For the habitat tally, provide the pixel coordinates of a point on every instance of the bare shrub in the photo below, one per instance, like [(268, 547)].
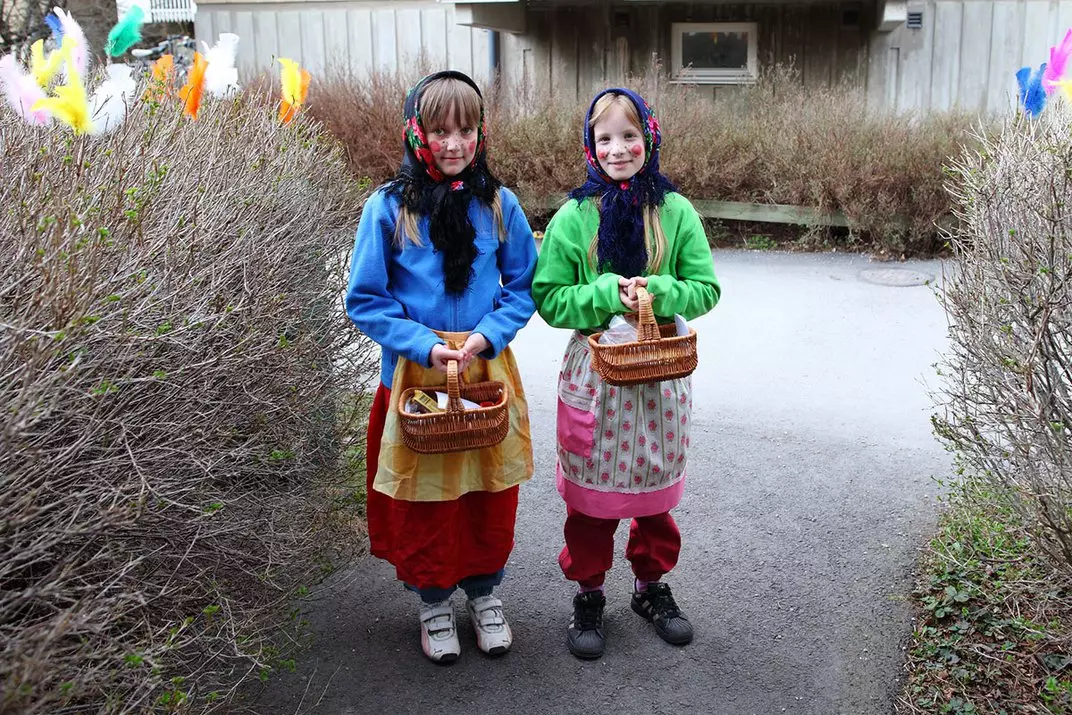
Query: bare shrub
[(775, 142), (173, 361), (1006, 407)]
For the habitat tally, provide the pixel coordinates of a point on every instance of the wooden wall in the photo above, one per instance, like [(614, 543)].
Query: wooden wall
[(965, 54), (361, 35), (575, 49)]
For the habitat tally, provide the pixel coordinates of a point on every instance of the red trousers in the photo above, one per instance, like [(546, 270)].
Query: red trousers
[(654, 545)]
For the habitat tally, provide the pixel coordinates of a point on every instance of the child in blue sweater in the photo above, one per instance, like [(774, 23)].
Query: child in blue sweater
[(442, 271)]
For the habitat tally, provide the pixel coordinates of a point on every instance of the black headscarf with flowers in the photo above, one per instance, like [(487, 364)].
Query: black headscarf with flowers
[(425, 191), (621, 247)]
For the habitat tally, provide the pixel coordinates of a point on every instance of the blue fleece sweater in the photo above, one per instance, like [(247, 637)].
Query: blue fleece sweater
[(397, 296)]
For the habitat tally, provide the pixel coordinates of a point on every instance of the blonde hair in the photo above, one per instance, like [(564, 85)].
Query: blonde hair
[(654, 237), (443, 99)]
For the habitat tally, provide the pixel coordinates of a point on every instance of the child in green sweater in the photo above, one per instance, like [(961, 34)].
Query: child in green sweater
[(621, 450)]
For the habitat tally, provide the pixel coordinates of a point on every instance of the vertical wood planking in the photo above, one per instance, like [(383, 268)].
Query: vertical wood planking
[(266, 36), (409, 40), (1006, 51), (1040, 19), (460, 46), (434, 35), (247, 62), (945, 70), (820, 44), (565, 72), (359, 32), (312, 41), (384, 42), (481, 44), (793, 17), (975, 55), (336, 41)]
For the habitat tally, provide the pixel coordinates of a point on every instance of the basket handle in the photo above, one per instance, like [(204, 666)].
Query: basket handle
[(454, 394), (647, 328)]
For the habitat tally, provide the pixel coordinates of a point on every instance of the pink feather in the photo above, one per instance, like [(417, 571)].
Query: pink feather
[(1055, 68), (22, 91), (73, 30)]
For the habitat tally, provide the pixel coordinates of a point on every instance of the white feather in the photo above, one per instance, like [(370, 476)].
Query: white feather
[(221, 76), (73, 30), (108, 105)]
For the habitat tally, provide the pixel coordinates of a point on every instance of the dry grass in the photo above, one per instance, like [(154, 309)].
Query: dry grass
[(776, 142), (174, 361)]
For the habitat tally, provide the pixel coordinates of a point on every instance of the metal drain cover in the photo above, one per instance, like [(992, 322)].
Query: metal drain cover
[(898, 277)]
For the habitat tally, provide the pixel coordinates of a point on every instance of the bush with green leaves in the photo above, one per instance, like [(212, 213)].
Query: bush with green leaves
[(174, 361), (1006, 402)]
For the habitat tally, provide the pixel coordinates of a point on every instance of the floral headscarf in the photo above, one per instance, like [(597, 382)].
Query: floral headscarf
[(425, 191), (621, 246)]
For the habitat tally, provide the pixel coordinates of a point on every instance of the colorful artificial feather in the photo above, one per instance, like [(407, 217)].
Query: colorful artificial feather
[(295, 81), (126, 33), (108, 105), (69, 103), (221, 75), (191, 92), (1031, 93), (163, 78), (56, 27), (1055, 68), (22, 91), (73, 31), (42, 69)]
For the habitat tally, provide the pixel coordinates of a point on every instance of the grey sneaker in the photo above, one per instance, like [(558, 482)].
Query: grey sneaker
[(585, 637)]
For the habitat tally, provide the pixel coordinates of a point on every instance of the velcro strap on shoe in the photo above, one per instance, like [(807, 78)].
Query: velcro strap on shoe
[(429, 618), (491, 613)]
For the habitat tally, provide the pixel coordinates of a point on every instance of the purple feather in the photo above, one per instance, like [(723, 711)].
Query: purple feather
[(1055, 69)]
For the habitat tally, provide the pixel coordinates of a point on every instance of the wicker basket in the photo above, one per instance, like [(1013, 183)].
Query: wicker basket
[(658, 353), (457, 429)]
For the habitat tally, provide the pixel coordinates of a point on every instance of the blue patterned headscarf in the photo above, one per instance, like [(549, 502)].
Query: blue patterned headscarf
[(621, 246)]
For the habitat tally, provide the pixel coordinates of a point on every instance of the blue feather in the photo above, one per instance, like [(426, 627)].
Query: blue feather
[(54, 24), (1031, 93)]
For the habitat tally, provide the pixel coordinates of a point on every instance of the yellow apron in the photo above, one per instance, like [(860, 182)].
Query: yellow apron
[(405, 475)]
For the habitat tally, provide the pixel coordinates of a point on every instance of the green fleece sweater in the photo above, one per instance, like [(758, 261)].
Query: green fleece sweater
[(570, 293)]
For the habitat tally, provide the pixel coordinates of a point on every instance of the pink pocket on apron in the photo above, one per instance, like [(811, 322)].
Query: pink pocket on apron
[(576, 429)]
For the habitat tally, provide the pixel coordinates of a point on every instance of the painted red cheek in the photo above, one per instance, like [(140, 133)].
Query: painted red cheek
[(603, 154), (636, 149), (436, 147), (472, 145)]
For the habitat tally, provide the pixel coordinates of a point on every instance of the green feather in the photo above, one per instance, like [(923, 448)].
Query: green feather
[(126, 33)]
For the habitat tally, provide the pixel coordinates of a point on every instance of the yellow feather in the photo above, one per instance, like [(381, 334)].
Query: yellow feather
[(44, 70), (1066, 88), (69, 103)]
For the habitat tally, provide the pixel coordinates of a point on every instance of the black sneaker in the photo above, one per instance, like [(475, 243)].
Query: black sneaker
[(585, 637), (657, 605)]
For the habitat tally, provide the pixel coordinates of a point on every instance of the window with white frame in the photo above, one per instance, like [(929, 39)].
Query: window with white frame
[(714, 52)]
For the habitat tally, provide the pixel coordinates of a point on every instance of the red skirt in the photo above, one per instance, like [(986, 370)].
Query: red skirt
[(436, 544)]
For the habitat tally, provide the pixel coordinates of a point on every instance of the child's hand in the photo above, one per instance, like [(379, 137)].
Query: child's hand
[(627, 292), (441, 355), (474, 345)]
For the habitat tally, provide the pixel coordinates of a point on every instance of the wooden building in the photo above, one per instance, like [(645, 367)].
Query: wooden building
[(907, 54)]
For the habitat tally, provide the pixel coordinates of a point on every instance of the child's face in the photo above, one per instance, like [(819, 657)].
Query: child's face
[(619, 145), (453, 143)]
